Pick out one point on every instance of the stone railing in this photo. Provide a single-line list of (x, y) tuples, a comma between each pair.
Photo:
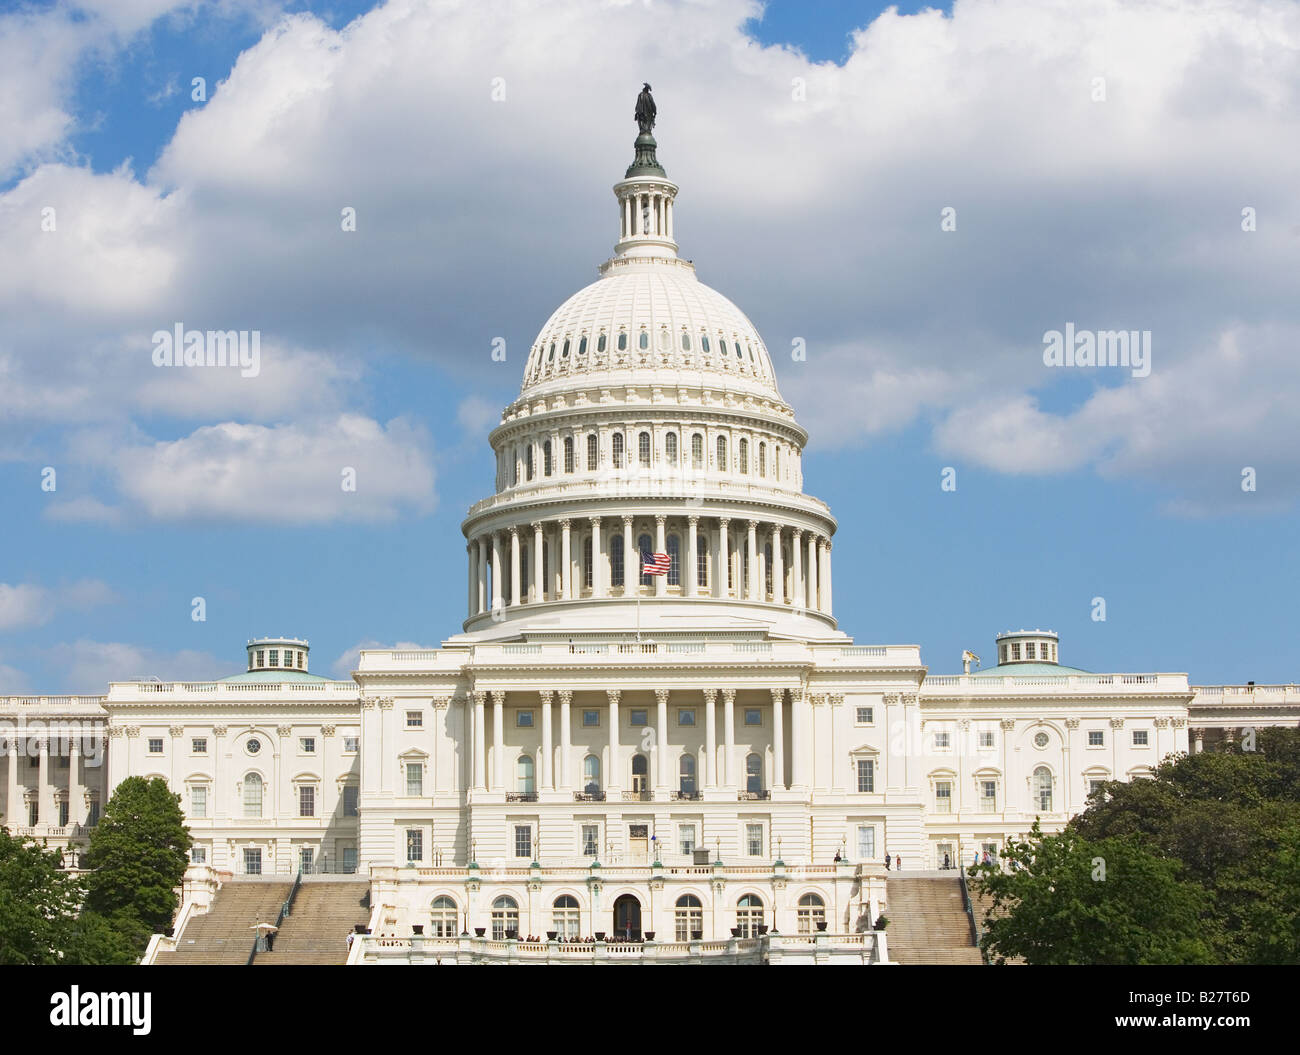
[(950, 684), (1246, 695), (182, 690)]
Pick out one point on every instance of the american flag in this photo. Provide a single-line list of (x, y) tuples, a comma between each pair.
[(654, 563)]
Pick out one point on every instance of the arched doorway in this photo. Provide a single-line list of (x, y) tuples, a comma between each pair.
[(627, 918)]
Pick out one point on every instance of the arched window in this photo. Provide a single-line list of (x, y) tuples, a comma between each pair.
[(702, 560), (568, 454), (582, 346), (622, 341), (704, 343), (722, 345), (252, 795), (591, 775), (697, 451), (753, 773), (742, 455), (618, 450), (528, 461), (564, 915), (586, 563), (688, 918), (686, 775), (749, 915), (445, 918), (644, 340), (811, 911), (762, 459), (524, 775), (643, 546), (686, 341), (776, 462), (670, 448), (564, 352), (674, 561), (722, 454), (767, 568), (616, 560), (1043, 789), (640, 773), (505, 918), (593, 452), (643, 449)]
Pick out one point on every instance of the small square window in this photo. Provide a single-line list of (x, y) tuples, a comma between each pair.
[(351, 744), (199, 745), (155, 745), (198, 855), (686, 716), (942, 740), (986, 738), (414, 719), (638, 717), (1096, 738), (307, 745), (866, 715), (753, 716), (523, 719), (1139, 738), (590, 719)]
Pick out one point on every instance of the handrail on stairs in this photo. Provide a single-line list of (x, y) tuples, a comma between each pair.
[(286, 908), (976, 932)]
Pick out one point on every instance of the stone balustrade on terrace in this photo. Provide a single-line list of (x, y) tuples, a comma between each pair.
[(1036, 684)]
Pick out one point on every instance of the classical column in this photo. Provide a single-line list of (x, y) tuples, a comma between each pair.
[(1198, 740), (630, 576), (482, 574), (799, 739), (755, 574), (812, 571), (692, 563), (539, 583), (498, 740), (778, 739), (661, 749), (76, 794), (1067, 765), (612, 777), (721, 558), (497, 601), (471, 559), (44, 789), (566, 741), (729, 734), (13, 803), (480, 741), (661, 546), (797, 595), (710, 739), (778, 567), (545, 778), (566, 564), (597, 560), (824, 568), (516, 587)]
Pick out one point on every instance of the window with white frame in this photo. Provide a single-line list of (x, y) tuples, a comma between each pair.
[(1094, 785), (638, 717), (1096, 738), (753, 716), (351, 744), (524, 719), (754, 840), (306, 800), (1043, 789), (445, 918), (688, 917), (565, 916), (414, 845), (351, 794), (199, 800), (986, 738), (524, 841), (866, 842), (988, 796), (199, 745), (591, 840), (686, 839), (943, 796), (307, 745), (942, 739), (866, 715), (811, 913), (866, 768), (749, 915), (686, 716), (415, 778), (252, 795), (198, 855), (155, 745), (505, 918), (590, 719), (1139, 738), (414, 719)]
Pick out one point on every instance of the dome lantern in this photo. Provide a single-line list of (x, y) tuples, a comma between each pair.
[(645, 194)]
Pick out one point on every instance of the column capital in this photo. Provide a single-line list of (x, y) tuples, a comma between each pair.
[(891, 699), (963, 724), (1117, 723), (778, 696), (796, 695), (728, 696), (536, 525), (660, 519), (498, 697), (693, 520), (385, 702), (1178, 723), (565, 523), (174, 731), (545, 694), (287, 730), (1162, 723), (595, 522), (514, 531), (724, 522), (613, 694), (566, 695), (710, 696), (1072, 723), (661, 695), (796, 533), (753, 525), (217, 730), (131, 730), (627, 522), (114, 731), (479, 696), (1007, 724)]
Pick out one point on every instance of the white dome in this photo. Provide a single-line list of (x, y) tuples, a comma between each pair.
[(669, 322)]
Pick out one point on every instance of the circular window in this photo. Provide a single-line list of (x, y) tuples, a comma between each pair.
[(1040, 740), (254, 746)]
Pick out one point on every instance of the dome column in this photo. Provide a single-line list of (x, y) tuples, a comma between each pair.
[(755, 584), (482, 575), (471, 559), (778, 567), (824, 573), (516, 594), (812, 571), (497, 603), (597, 560), (566, 561), (629, 560), (661, 546), (539, 583), (721, 558), (796, 571), (692, 564)]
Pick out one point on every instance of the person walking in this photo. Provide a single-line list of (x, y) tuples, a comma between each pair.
[(887, 860), (947, 863), (898, 863)]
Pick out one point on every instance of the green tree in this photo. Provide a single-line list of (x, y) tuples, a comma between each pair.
[(1068, 900), (139, 853), (38, 903)]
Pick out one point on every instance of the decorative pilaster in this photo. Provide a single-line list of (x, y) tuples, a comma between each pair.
[(597, 560), (729, 736), (566, 741), (661, 546), (613, 779), (692, 562), (778, 740), (566, 560), (710, 739), (662, 778), (539, 563)]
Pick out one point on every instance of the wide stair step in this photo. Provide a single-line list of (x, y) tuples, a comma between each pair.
[(316, 931), (928, 923), (225, 934)]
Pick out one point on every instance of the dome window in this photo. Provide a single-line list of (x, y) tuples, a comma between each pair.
[(665, 341), (582, 346), (739, 354), (552, 355), (686, 341), (644, 342), (722, 453), (704, 343), (722, 345), (762, 459), (564, 352), (600, 343), (670, 448), (622, 342), (643, 448), (743, 455), (593, 452), (618, 450), (697, 451)]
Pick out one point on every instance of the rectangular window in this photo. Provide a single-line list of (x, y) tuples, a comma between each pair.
[(523, 719), (1139, 738), (866, 842), (351, 744), (866, 775), (754, 840), (753, 716), (307, 745), (63, 814), (590, 719), (93, 819), (638, 717), (988, 796), (943, 796), (523, 841), (155, 745), (33, 814), (350, 792), (1096, 738), (686, 838), (414, 845), (307, 801), (942, 740), (1093, 785), (198, 855), (261, 657), (591, 840), (866, 715), (198, 802), (306, 859), (199, 746), (1015, 650), (414, 778), (414, 719), (986, 738), (686, 716), (274, 657), (1029, 650)]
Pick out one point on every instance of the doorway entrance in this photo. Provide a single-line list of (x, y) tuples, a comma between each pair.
[(627, 918)]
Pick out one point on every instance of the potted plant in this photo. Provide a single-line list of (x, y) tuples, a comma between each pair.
[(551, 935), (600, 935), (696, 935), (479, 931), (882, 923), (649, 935), (821, 924)]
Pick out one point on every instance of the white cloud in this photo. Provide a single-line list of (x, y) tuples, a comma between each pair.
[(349, 660), (30, 604), (88, 666)]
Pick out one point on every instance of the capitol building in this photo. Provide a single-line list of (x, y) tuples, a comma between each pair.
[(693, 763)]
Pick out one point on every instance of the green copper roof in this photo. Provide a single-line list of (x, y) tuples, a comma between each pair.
[(1027, 670), (645, 163), (274, 677)]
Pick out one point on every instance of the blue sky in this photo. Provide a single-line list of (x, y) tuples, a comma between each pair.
[(821, 223)]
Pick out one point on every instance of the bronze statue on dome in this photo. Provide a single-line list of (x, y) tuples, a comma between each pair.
[(645, 110)]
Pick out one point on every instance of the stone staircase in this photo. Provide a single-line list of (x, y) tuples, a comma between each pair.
[(316, 931), (983, 904), (928, 923), (224, 935)]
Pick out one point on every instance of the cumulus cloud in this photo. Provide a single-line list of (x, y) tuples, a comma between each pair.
[(89, 666), (30, 604), (349, 660)]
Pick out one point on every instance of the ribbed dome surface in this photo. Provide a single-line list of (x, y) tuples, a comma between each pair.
[(667, 322)]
